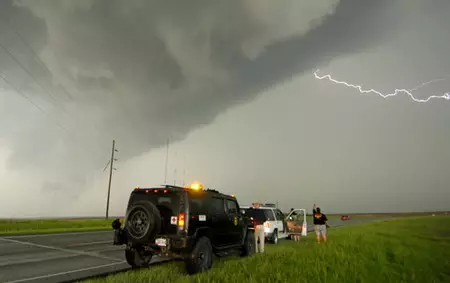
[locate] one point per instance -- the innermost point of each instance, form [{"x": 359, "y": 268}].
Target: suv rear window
[{"x": 260, "y": 215}]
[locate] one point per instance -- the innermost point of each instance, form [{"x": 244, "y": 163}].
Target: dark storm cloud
[{"x": 141, "y": 71}]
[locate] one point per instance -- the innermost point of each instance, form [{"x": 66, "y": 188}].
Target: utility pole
[{"x": 111, "y": 168}]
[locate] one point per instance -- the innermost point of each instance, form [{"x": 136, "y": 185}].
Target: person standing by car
[
  {"x": 294, "y": 228},
  {"x": 320, "y": 221}
]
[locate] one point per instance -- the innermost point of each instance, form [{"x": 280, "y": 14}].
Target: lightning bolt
[
  {"x": 445, "y": 96},
  {"x": 429, "y": 82}
]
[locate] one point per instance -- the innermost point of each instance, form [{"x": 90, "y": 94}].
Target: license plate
[{"x": 160, "y": 242}]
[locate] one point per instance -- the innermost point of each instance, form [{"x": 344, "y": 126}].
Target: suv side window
[
  {"x": 216, "y": 206},
  {"x": 196, "y": 206},
  {"x": 280, "y": 215},
  {"x": 232, "y": 207}
]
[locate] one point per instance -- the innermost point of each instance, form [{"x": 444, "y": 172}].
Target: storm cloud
[{"x": 141, "y": 71}]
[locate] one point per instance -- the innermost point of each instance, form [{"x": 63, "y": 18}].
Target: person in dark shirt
[{"x": 320, "y": 221}]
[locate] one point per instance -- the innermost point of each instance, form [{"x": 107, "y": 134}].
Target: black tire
[
  {"x": 274, "y": 239},
  {"x": 200, "y": 258},
  {"x": 137, "y": 258},
  {"x": 249, "y": 245},
  {"x": 143, "y": 222}
]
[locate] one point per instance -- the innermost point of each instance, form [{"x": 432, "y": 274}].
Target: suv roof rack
[
  {"x": 172, "y": 186},
  {"x": 167, "y": 186}
]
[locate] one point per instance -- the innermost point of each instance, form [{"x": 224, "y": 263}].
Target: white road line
[
  {"x": 59, "y": 249},
  {"x": 90, "y": 243},
  {"x": 65, "y": 272},
  {"x": 33, "y": 260},
  {"x": 112, "y": 249},
  {"x": 56, "y": 234}
]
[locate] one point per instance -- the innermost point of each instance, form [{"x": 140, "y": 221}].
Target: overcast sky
[{"x": 231, "y": 84}]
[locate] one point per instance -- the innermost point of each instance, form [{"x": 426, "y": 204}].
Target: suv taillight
[{"x": 181, "y": 220}]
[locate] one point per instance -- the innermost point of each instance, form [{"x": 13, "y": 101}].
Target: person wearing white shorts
[{"x": 320, "y": 221}]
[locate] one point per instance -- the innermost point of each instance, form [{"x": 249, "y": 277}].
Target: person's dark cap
[{"x": 318, "y": 209}]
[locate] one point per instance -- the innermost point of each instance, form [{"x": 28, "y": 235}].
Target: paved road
[{"x": 67, "y": 257}]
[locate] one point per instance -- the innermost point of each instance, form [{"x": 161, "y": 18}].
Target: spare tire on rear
[{"x": 143, "y": 222}]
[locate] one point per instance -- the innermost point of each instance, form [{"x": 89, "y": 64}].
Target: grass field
[
  {"x": 17, "y": 227},
  {"x": 415, "y": 249}
]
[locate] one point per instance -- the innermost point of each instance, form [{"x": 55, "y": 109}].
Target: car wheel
[
  {"x": 275, "y": 237},
  {"x": 137, "y": 258},
  {"x": 249, "y": 246},
  {"x": 143, "y": 222},
  {"x": 200, "y": 258}
]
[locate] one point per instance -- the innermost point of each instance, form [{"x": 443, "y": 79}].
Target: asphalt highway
[{"x": 67, "y": 257}]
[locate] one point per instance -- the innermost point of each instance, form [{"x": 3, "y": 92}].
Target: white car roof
[{"x": 262, "y": 207}]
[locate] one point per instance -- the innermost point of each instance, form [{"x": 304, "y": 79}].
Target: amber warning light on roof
[{"x": 196, "y": 187}]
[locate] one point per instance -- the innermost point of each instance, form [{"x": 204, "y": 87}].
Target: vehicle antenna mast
[{"x": 167, "y": 161}]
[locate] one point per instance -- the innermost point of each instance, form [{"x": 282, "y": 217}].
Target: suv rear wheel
[
  {"x": 137, "y": 258},
  {"x": 201, "y": 257}
]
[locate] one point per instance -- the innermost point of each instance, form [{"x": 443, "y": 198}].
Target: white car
[{"x": 274, "y": 221}]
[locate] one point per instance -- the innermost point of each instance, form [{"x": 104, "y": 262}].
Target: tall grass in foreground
[
  {"x": 399, "y": 250},
  {"x": 12, "y": 227}
]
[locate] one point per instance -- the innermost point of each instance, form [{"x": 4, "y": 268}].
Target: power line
[
  {"x": 34, "y": 79},
  {"x": 31, "y": 101},
  {"x": 44, "y": 66},
  {"x": 46, "y": 69},
  {"x": 27, "y": 71},
  {"x": 37, "y": 57},
  {"x": 38, "y": 107}
]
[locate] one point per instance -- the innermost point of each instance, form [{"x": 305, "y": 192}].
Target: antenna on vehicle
[
  {"x": 184, "y": 171},
  {"x": 175, "y": 170},
  {"x": 167, "y": 161}
]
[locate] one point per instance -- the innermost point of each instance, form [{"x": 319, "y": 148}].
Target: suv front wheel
[{"x": 201, "y": 257}]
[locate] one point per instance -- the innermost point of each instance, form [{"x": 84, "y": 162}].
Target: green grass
[
  {"x": 414, "y": 249},
  {"x": 20, "y": 227}
]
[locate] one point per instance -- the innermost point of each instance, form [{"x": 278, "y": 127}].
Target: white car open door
[{"x": 299, "y": 211}]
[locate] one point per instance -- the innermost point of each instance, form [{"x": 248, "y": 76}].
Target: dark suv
[{"x": 188, "y": 223}]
